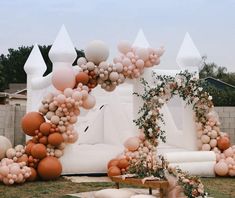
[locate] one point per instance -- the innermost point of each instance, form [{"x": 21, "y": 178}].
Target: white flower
[
  {"x": 200, "y": 88},
  {"x": 160, "y": 101},
  {"x": 161, "y": 89},
  {"x": 150, "y": 113},
  {"x": 196, "y": 99},
  {"x": 150, "y": 130},
  {"x": 209, "y": 97}
]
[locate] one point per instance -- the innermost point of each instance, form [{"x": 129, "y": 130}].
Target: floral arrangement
[{"x": 141, "y": 151}]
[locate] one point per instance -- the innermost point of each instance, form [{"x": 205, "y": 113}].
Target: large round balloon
[
  {"x": 97, "y": 51},
  {"x": 45, "y": 128},
  {"x": 33, "y": 176},
  {"x": 5, "y": 144},
  {"x": 31, "y": 122},
  {"x": 49, "y": 168},
  {"x": 63, "y": 78}
]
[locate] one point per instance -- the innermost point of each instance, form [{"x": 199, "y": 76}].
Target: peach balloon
[
  {"x": 228, "y": 152},
  {"x": 132, "y": 144},
  {"x": 49, "y": 168},
  {"x": 221, "y": 168},
  {"x": 63, "y": 78},
  {"x": 124, "y": 47},
  {"x": 89, "y": 102},
  {"x": 31, "y": 122}
]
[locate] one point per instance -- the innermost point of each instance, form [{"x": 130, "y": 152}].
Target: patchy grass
[
  {"x": 217, "y": 187},
  {"x": 220, "y": 187}
]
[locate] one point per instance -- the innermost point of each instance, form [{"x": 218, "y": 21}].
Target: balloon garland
[
  {"x": 140, "y": 154},
  {"x": 52, "y": 127}
]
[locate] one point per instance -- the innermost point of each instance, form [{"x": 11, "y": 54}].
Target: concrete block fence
[
  {"x": 227, "y": 119},
  {"x": 10, "y": 118}
]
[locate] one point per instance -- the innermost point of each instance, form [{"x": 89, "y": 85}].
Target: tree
[
  {"x": 2, "y": 78},
  {"x": 215, "y": 71},
  {"x": 13, "y": 64}
]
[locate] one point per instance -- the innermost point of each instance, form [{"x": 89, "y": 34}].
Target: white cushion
[
  {"x": 142, "y": 196},
  {"x": 113, "y": 193},
  {"x": 85, "y": 158}
]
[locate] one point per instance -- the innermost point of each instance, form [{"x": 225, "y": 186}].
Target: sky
[{"x": 210, "y": 23}]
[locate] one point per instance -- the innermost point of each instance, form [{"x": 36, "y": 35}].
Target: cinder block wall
[
  {"x": 10, "y": 118},
  {"x": 227, "y": 119}
]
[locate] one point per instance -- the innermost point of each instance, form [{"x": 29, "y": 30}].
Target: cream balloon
[
  {"x": 89, "y": 102},
  {"x": 97, "y": 51}
]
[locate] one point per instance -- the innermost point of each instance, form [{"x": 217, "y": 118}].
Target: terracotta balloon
[
  {"x": 33, "y": 176},
  {"x": 123, "y": 164},
  {"x": 49, "y": 168},
  {"x": 43, "y": 140},
  {"x": 113, "y": 162},
  {"x": 29, "y": 147},
  {"x": 132, "y": 144},
  {"x": 114, "y": 171},
  {"x": 31, "y": 122},
  {"x": 45, "y": 128},
  {"x": 39, "y": 151},
  {"x": 55, "y": 139},
  {"x": 82, "y": 77},
  {"x": 63, "y": 78},
  {"x": 221, "y": 168},
  {"x": 223, "y": 143}
]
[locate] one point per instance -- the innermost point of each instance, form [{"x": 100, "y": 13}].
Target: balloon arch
[{"x": 51, "y": 128}]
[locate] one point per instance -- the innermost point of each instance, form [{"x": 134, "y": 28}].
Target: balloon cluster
[
  {"x": 134, "y": 59},
  {"x": 52, "y": 127},
  {"x": 137, "y": 150},
  {"x": 209, "y": 133},
  {"x": 11, "y": 172},
  {"x": 211, "y": 138},
  {"x": 130, "y": 64}
]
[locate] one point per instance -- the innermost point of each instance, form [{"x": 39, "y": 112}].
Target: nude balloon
[
  {"x": 221, "y": 168},
  {"x": 89, "y": 102},
  {"x": 132, "y": 144},
  {"x": 63, "y": 78}
]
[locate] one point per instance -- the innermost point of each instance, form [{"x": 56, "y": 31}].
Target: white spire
[
  {"x": 62, "y": 49},
  {"x": 35, "y": 64},
  {"x": 188, "y": 55},
  {"x": 140, "y": 40}
]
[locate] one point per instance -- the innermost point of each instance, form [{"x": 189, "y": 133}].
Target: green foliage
[
  {"x": 218, "y": 72},
  {"x": 12, "y": 64},
  {"x": 221, "y": 97}
]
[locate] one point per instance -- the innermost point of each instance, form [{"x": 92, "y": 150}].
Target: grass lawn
[{"x": 218, "y": 188}]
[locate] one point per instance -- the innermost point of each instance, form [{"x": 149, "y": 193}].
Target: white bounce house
[{"x": 103, "y": 129}]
